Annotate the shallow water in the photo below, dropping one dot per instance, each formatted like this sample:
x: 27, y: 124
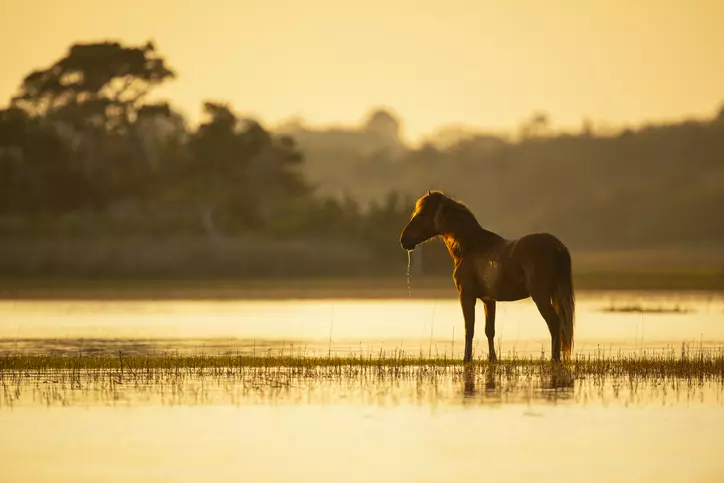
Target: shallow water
x: 408, y: 425
x: 320, y: 327
x: 357, y: 429
x: 344, y: 443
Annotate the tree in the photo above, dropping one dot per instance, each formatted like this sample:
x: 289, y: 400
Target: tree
x: 93, y: 97
x: 35, y: 172
x: 383, y: 222
x: 538, y: 125
x: 162, y: 133
x: 96, y: 82
x: 384, y: 124
x: 239, y: 174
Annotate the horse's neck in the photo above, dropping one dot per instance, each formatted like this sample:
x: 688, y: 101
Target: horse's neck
x: 459, y: 243
x: 455, y: 249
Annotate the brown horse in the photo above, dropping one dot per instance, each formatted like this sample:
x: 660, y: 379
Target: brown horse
x: 490, y: 268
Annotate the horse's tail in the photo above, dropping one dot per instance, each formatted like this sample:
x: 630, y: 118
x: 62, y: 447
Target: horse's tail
x: 564, y: 301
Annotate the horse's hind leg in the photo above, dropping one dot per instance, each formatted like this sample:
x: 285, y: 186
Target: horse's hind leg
x: 490, y: 328
x: 546, y: 309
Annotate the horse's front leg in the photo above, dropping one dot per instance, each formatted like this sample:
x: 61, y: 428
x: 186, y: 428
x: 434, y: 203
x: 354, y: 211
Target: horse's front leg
x: 490, y: 328
x: 468, y: 304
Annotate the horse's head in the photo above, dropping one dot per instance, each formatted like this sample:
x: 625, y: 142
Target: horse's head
x: 425, y: 221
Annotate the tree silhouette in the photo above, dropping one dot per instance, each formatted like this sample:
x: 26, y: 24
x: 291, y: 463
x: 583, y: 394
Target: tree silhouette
x: 36, y: 172
x: 384, y: 124
x: 92, y: 97
x: 95, y: 82
x: 82, y: 140
x: 239, y: 174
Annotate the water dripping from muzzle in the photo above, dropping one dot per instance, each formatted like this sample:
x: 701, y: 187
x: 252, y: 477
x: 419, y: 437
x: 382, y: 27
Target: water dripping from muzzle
x: 409, y: 267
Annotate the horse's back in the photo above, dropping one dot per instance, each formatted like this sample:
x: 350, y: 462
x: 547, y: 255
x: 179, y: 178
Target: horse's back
x: 537, y: 246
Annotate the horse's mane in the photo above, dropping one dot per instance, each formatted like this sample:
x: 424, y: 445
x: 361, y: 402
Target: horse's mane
x: 468, y: 233
x: 453, y: 209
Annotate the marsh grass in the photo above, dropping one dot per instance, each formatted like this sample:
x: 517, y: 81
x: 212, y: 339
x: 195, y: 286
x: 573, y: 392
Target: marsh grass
x: 203, y: 379
x: 669, y: 363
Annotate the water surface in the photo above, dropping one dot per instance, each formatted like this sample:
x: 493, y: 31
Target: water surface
x: 353, y: 429
x: 413, y: 425
x: 317, y: 327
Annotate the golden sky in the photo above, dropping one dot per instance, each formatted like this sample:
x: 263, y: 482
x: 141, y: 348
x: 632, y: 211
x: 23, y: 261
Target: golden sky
x: 483, y: 63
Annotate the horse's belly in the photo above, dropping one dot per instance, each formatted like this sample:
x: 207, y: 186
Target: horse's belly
x: 511, y: 294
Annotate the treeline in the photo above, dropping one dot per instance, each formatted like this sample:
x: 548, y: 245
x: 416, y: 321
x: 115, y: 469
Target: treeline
x: 653, y: 195
x: 86, y: 159
x: 655, y: 186
x: 83, y: 155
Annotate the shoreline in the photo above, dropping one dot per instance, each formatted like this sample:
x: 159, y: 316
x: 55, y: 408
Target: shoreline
x: 330, y: 288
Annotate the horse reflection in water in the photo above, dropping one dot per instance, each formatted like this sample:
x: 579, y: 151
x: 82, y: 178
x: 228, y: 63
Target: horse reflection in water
x: 470, y: 377
x: 493, y: 269
x: 499, y: 385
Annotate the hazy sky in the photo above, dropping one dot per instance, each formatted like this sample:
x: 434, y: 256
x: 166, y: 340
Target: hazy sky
x: 483, y: 63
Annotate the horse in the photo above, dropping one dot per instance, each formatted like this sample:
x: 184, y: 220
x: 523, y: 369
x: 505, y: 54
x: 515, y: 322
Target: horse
x: 494, y: 269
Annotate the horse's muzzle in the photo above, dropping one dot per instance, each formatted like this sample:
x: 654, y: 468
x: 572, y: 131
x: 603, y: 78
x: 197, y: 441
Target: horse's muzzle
x: 407, y: 245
